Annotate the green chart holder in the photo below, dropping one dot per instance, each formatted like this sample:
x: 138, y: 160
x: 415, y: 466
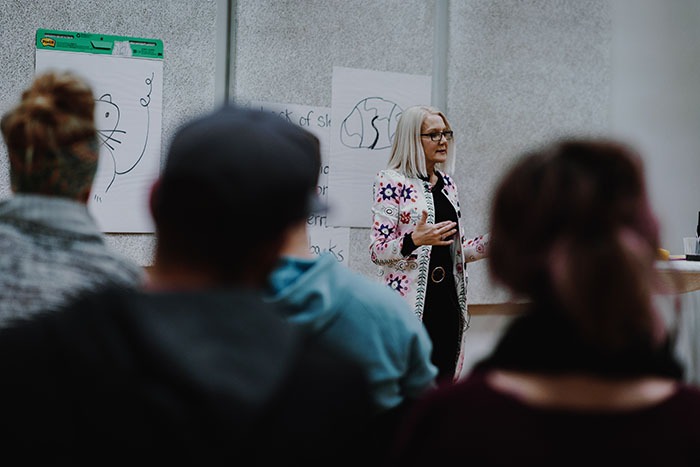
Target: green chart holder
x: 124, y: 46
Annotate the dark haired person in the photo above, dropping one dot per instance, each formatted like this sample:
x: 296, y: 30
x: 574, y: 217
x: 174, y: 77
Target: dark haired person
x: 586, y: 374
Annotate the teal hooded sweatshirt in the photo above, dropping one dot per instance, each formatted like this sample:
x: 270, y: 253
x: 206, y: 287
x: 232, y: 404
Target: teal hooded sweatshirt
x: 364, y: 319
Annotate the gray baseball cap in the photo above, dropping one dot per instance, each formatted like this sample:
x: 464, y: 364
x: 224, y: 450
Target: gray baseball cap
x: 251, y: 161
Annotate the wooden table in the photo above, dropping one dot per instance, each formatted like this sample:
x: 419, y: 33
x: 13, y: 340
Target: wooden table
x: 685, y: 274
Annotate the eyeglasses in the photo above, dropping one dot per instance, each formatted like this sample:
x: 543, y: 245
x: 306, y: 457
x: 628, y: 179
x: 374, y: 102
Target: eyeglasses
x: 437, y: 136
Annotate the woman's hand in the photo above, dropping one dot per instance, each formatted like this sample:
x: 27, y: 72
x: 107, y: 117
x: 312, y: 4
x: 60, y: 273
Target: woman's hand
x: 433, y: 234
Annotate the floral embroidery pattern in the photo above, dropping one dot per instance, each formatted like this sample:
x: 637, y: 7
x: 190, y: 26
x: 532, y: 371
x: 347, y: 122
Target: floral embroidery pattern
x: 405, y: 217
x: 475, y: 241
x: 448, y: 181
x: 477, y: 248
x: 408, y: 193
x: 398, y: 282
x: 388, y: 192
x: 384, y: 230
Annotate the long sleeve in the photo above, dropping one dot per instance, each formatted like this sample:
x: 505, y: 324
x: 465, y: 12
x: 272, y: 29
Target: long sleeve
x: 475, y: 248
x: 387, y: 237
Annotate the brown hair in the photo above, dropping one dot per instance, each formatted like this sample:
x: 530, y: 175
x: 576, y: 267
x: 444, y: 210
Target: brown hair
x: 51, y: 137
x: 571, y: 227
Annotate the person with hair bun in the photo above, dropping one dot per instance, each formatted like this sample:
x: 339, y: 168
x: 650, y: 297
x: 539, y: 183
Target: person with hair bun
x: 417, y: 239
x: 587, y: 371
x: 52, y: 249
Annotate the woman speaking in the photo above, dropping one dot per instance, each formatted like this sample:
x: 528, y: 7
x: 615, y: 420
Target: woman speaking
x: 417, y: 237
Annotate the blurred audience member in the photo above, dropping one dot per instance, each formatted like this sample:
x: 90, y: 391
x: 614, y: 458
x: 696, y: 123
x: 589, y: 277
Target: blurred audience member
x: 366, y: 320
x: 198, y: 369
x: 52, y: 250
x: 363, y: 319
x: 586, y: 373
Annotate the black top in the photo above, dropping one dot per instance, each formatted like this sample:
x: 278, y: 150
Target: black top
x: 444, y: 211
x: 442, y: 314
x: 542, y: 340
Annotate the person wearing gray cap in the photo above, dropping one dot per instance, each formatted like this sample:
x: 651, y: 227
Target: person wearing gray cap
x: 198, y: 369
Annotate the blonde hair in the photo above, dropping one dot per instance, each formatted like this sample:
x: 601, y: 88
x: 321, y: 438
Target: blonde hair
x: 51, y: 137
x: 407, y: 155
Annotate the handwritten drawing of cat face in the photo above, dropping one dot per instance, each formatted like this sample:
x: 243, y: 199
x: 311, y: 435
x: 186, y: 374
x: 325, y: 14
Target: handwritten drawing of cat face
x: 107, y: 117
x: 125, y: 151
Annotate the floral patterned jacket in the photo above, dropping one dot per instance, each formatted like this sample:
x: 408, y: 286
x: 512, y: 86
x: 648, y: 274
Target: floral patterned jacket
x: 397, y: 208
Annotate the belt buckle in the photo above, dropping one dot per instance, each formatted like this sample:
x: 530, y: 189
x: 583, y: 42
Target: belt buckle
x: 441, y: 274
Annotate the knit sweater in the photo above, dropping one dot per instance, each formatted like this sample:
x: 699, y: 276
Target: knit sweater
x: 52, y: 251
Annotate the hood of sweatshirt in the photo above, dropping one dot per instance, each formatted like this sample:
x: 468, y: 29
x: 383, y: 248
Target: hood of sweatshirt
x: 309, y: 289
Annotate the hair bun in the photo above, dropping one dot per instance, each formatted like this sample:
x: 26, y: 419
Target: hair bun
x: 40, y: 107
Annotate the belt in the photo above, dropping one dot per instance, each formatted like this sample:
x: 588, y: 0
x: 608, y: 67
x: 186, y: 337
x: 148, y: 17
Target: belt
x: 438, y: 274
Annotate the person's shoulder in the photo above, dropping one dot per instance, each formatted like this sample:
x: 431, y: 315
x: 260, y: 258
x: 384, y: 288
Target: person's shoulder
x: 363, y: 287
x: 448, y: 180
x: 472, y: 393
x: 378, y: 293
x: 390, y: 174
x: 66, y: 334
x: 111, y: 267
x: 94, y: 313
x: 688, y: 395
x: 108, y: 297
x: 131, y: 269
x: 373, y: 296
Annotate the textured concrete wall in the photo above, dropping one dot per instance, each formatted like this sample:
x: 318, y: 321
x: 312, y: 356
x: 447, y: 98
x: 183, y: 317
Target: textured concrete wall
x: 656, y: 104
x: 189, y: 36
x: 520, y: 73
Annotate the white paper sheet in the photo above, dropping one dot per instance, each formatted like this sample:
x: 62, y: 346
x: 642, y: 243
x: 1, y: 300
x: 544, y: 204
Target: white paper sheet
x: 322, y: 237
x: 128, y: 115
x: 365, y: 107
